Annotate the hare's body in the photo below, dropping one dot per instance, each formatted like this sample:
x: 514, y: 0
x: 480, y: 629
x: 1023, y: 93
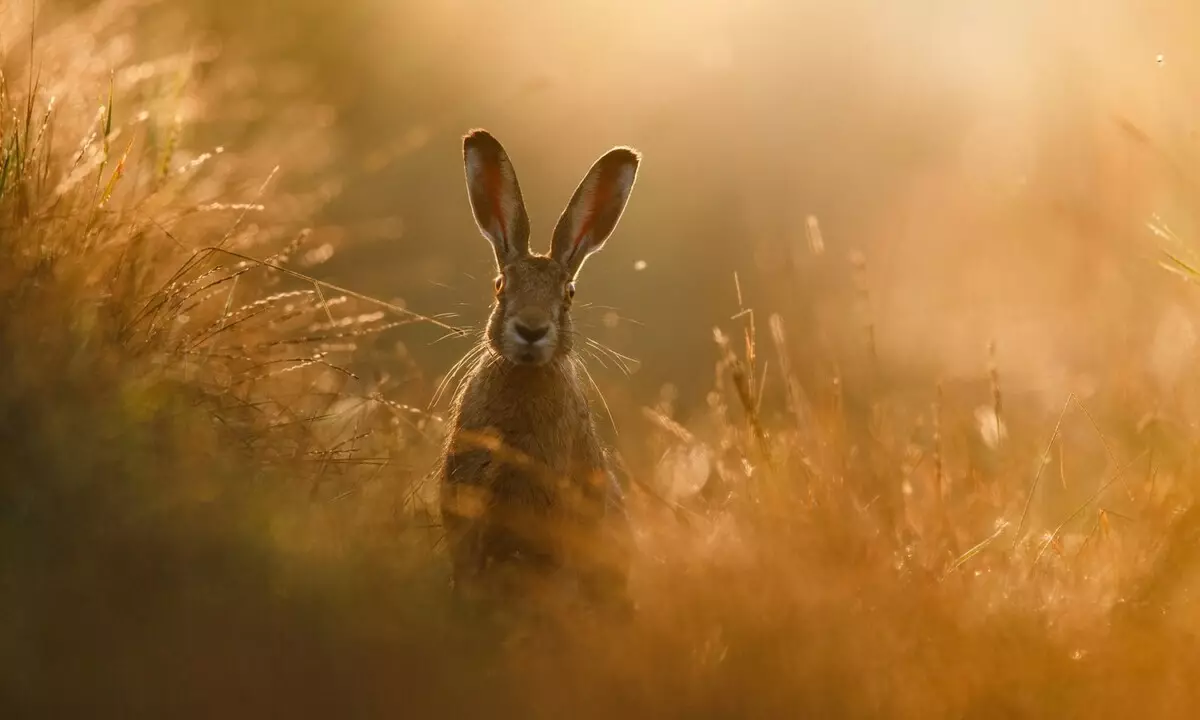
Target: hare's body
x: 524, y: 481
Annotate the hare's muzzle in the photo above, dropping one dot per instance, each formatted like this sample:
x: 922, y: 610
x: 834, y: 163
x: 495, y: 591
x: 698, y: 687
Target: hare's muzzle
x: 530, y: 338
x: 529, y: 334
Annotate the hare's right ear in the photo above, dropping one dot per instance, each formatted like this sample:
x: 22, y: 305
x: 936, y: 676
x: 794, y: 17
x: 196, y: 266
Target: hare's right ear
x: 495, y: 196
x: 594, y: 209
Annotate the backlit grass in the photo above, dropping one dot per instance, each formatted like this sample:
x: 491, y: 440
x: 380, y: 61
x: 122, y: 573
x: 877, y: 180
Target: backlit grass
x: 214, y: 502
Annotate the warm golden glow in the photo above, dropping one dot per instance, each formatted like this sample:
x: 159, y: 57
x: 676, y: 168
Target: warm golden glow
x: 896, y: 343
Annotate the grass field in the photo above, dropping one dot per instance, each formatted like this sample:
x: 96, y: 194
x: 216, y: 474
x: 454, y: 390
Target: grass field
x: 214, y: 465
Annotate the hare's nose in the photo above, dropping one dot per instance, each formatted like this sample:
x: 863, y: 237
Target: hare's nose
x: 531, y: 334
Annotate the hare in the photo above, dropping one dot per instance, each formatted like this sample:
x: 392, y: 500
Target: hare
x: 525, y: 483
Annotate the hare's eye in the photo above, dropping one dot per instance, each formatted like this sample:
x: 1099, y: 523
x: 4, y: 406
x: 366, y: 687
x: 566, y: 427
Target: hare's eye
x: 499, y: 283
x: 570, y: 290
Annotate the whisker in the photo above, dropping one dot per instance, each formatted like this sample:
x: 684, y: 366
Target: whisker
x: 458, y: 333
x: 610, y: 308
x: 490, y: 359
x: 470, y: 356
x: 604, y: 362
x: 449, y: 377
x: 597, y: 344
x: 593, y: 355
x: 603, y: 401
x: 624, y: 361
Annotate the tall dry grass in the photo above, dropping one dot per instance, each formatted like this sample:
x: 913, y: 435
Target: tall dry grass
x: 185, y: 449
x: 212, y: 503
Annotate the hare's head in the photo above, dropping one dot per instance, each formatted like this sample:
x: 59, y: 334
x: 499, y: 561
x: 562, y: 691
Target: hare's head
x: 531, y: 320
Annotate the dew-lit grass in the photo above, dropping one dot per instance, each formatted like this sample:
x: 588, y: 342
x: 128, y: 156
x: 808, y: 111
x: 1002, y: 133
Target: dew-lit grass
x: 215, y: 493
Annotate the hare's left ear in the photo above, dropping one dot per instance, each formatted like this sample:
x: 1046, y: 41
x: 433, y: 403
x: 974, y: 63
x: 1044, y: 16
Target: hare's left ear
x: 495, y: 196
x: 594, y: 209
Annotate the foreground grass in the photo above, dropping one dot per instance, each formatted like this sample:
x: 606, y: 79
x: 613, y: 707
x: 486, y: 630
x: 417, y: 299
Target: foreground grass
x: 204, y: 512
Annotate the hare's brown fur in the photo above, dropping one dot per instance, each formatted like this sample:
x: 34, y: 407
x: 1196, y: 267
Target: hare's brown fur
x: 524, y: 479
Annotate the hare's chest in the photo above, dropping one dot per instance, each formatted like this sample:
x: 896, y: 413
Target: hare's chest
x: 549, y: 431
x: 535, y: 420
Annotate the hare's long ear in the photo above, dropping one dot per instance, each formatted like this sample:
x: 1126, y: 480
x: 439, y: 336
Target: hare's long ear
x: 495, y: 196
x: 595, y: 208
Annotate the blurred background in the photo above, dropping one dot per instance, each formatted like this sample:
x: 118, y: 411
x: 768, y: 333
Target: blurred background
x: 996, y: 164
x: 931, y: 195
